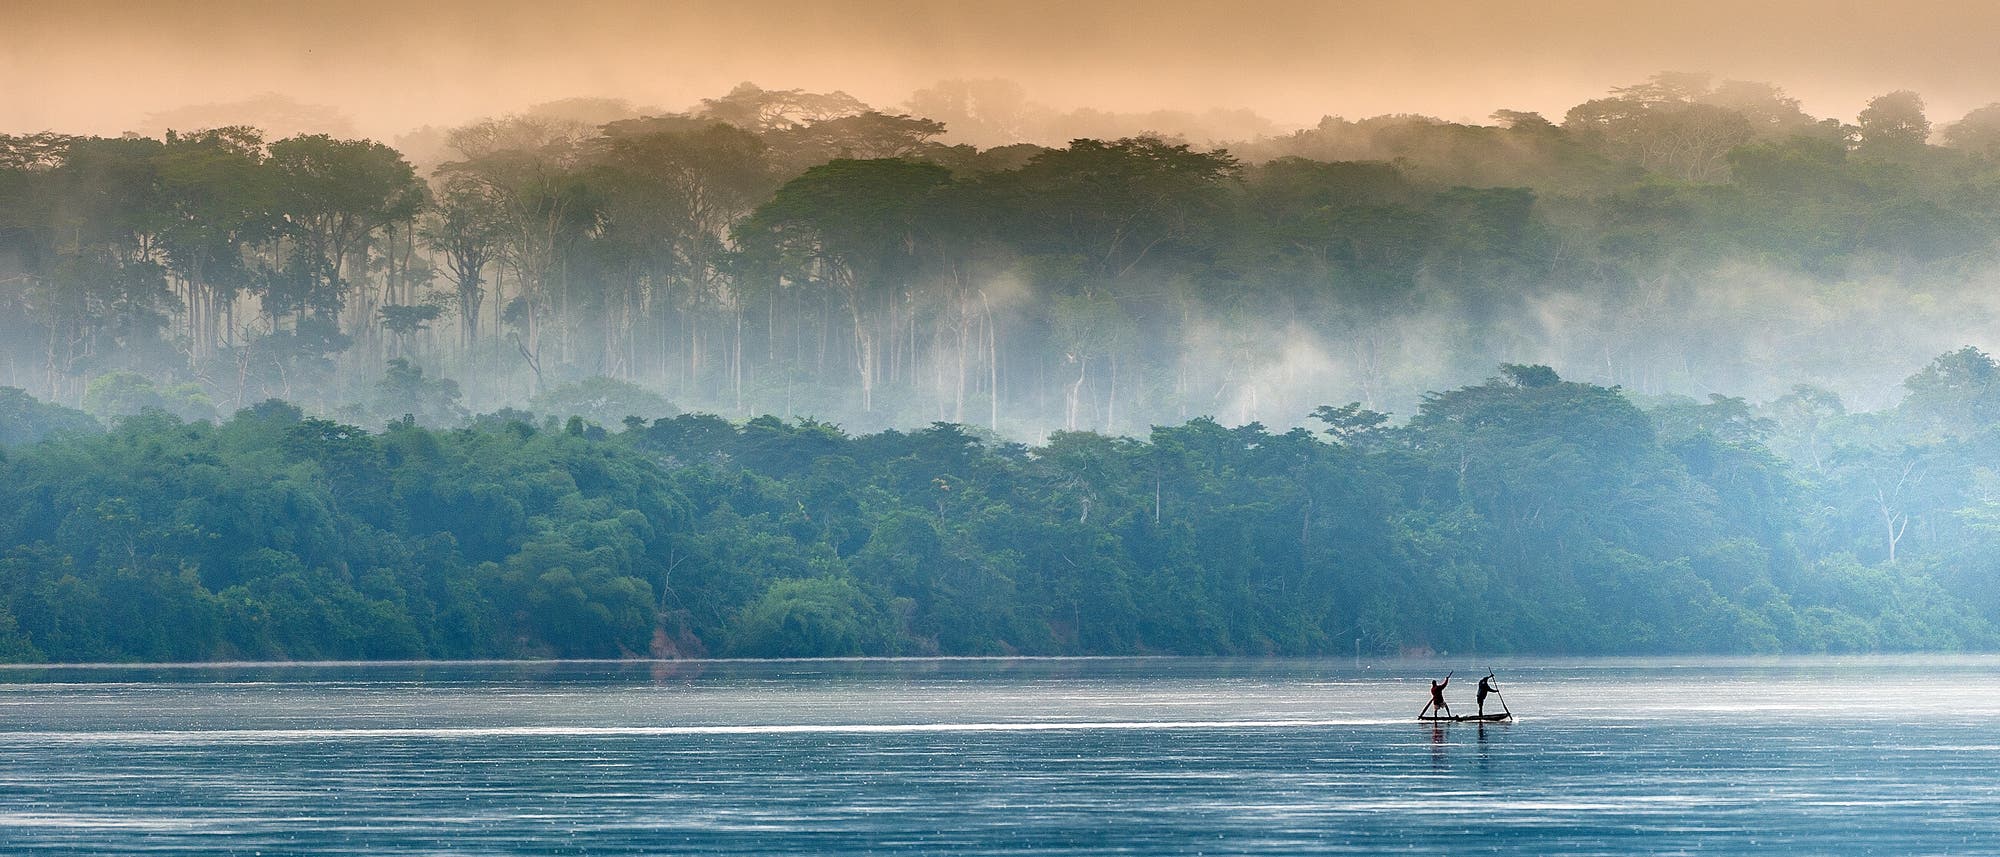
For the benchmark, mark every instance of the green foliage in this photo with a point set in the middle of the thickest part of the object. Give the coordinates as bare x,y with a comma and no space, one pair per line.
795,252
602,401
404,390
24,420
1957,394
800,253
276,536
1894,123
1529,513
825,617
115,395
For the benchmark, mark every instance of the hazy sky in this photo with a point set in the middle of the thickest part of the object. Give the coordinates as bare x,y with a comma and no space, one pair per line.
99,66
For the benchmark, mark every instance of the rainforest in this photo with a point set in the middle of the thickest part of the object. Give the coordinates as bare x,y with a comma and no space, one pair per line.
1684,368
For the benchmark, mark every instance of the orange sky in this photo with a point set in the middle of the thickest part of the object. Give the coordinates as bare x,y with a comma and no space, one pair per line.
100,66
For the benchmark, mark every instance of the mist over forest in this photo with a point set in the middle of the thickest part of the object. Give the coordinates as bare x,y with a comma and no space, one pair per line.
805,254
784,372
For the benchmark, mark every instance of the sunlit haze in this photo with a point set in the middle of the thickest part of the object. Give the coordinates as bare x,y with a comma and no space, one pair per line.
103,67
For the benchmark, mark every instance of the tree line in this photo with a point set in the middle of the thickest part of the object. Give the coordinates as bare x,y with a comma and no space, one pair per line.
1527,513
805,254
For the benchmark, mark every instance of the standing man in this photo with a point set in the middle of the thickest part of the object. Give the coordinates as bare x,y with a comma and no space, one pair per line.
1437,698
1486,686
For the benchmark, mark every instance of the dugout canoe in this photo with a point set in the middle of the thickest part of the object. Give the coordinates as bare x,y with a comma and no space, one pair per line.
1498,717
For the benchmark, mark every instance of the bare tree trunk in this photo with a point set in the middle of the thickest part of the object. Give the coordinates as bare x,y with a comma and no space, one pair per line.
864,362
1070,399
1111,399
964,344
992,366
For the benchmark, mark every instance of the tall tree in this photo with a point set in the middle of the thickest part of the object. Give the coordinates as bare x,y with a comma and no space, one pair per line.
1894,123
853,227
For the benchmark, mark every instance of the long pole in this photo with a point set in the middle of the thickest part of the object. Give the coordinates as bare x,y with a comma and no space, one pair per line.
1497,693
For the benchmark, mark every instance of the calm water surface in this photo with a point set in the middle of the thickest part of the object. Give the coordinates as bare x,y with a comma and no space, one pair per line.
1806,756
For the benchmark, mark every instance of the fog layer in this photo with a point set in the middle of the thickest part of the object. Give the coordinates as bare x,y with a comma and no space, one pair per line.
802,253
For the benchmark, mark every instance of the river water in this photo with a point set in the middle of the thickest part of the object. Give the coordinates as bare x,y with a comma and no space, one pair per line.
1113,756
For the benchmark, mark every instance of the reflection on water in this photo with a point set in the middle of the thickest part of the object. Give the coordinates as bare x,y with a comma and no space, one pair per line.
998,757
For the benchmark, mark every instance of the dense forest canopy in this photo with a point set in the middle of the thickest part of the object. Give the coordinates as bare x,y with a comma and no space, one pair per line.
1527,513
785,374
806,254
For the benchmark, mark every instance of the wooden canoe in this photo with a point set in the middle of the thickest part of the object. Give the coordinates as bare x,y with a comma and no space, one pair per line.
1498,717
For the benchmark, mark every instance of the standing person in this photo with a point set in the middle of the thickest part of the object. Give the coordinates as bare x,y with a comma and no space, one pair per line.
1486,686
1437,697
